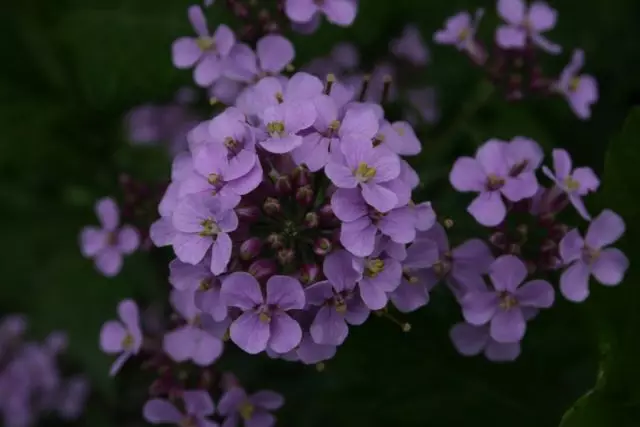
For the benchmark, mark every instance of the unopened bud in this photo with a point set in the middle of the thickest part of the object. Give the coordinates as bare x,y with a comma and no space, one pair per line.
271,206
548,245
301,176
249,213
558,231
322,246
286,256
311,220
304,195
498,239
283,185
250,248
275,240
327,217
448,223
514,249
309,273
262,269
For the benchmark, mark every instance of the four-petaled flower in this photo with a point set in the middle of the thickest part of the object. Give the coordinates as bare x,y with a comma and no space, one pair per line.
580,90
124,336
526,24
198,406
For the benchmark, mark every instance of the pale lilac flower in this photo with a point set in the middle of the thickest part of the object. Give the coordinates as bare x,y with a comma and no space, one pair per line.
207,52
502,305
576,183
581,91
368,168
192,341
283,122
410,46
379,274
203,222
235,405
490,174
106,245
273,53
413,291
199,279
592,256
309,352
229,130
198,407
399,137
339,12
338,301
460,31
264,321
298,91
123,337
471,340
525,24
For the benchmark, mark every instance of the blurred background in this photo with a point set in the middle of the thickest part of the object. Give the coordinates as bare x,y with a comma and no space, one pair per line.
72,70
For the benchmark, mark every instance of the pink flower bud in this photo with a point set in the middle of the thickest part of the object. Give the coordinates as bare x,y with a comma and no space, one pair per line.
262,269
322,246
271,206
311,220
304,195
286,256
275,240
250,248
283,185
309,273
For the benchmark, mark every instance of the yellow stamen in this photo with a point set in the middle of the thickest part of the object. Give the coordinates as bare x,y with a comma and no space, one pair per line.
507,301
364,172
279,97
574,83
374,267
246,410
128,342
205,43
275,128
209,228
213,178
571,184
230,142
264,317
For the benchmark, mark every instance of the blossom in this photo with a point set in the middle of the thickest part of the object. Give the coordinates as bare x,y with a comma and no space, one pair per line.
123,337
580,90
410,46
413,291
471,340
299,92
502,305
106,245
592,256
273,53
207,51
367,167
264,321
339,303
339,12
379,274
282,124
192,341
574,182
490,173
460,31
525,24
202,223
206,286
198,406
253,410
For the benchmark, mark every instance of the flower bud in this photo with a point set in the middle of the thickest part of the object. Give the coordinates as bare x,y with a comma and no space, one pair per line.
275,240
322,246
262,269
271,206
304,195
248,214
301,176
498,239
283,185
286,256
250,248
311,220
327,217
309,273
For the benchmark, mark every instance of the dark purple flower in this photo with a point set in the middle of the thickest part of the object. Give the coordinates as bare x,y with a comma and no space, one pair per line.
203,222
198,406
236,405
471,340
123,337
574,182
526,24
207,52
580,90
592,255
339,303
273,53
106,245
339,12
502,305
264,321
413,291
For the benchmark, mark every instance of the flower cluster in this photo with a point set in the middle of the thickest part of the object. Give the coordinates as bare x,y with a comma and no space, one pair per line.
31,384
513,63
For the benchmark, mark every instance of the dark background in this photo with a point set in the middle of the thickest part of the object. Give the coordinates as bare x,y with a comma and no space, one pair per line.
70,70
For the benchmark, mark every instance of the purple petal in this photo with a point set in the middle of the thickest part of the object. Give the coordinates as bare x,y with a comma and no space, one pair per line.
207,350
468,339
275,53
314,152
208,70
348,205
379,197
587,179
303,87
128,239
358,236
286,293
512,11
225,39
605,229
467,175
198,402
340,12
162,232
311,353
220,253
509,37
300,10
250,333
360,122
241,65
318,293
180,344
241,290
198,20
571,246
508,326
522,187
109,262
92,241
541,16
111,336
536,293
409,297
479,307
373,296
329,327
191,248
338,268
561,163
488,209
285,332
502,352
492,156
261,419
399,225
108,213
230,401
507,272
268,400
185,52
157,411
283,144
610,267
574,282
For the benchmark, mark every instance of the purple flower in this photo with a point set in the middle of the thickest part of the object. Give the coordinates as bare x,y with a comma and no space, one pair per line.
379,274
580,90
264,321
273,53
298,91
339,12
490,174
368,168
337,300
124,336
203,222
526,24
106,245
253,410
207,52
410,46
592,255
460,31
198,406
199,279
192,341
471,340
502,306
283,122
400,138
575,183
413,291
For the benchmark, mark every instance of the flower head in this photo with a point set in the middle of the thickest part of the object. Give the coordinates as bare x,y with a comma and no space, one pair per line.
580,90
198,407
254,410
471,340
339,12
526,24
123,336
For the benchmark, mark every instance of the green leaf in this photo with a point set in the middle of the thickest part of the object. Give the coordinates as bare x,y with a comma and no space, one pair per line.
616,395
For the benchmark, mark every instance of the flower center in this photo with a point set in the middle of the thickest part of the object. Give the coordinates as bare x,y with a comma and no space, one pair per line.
574,83
339,303
205,43
264,317
213,178
209,228
374,267
279,97
275,128
127,342
112,238
590,255
571,184
507,301
230,143
246,411
205,285
464,34
494,182
188,421
410,278
334,126
364,172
